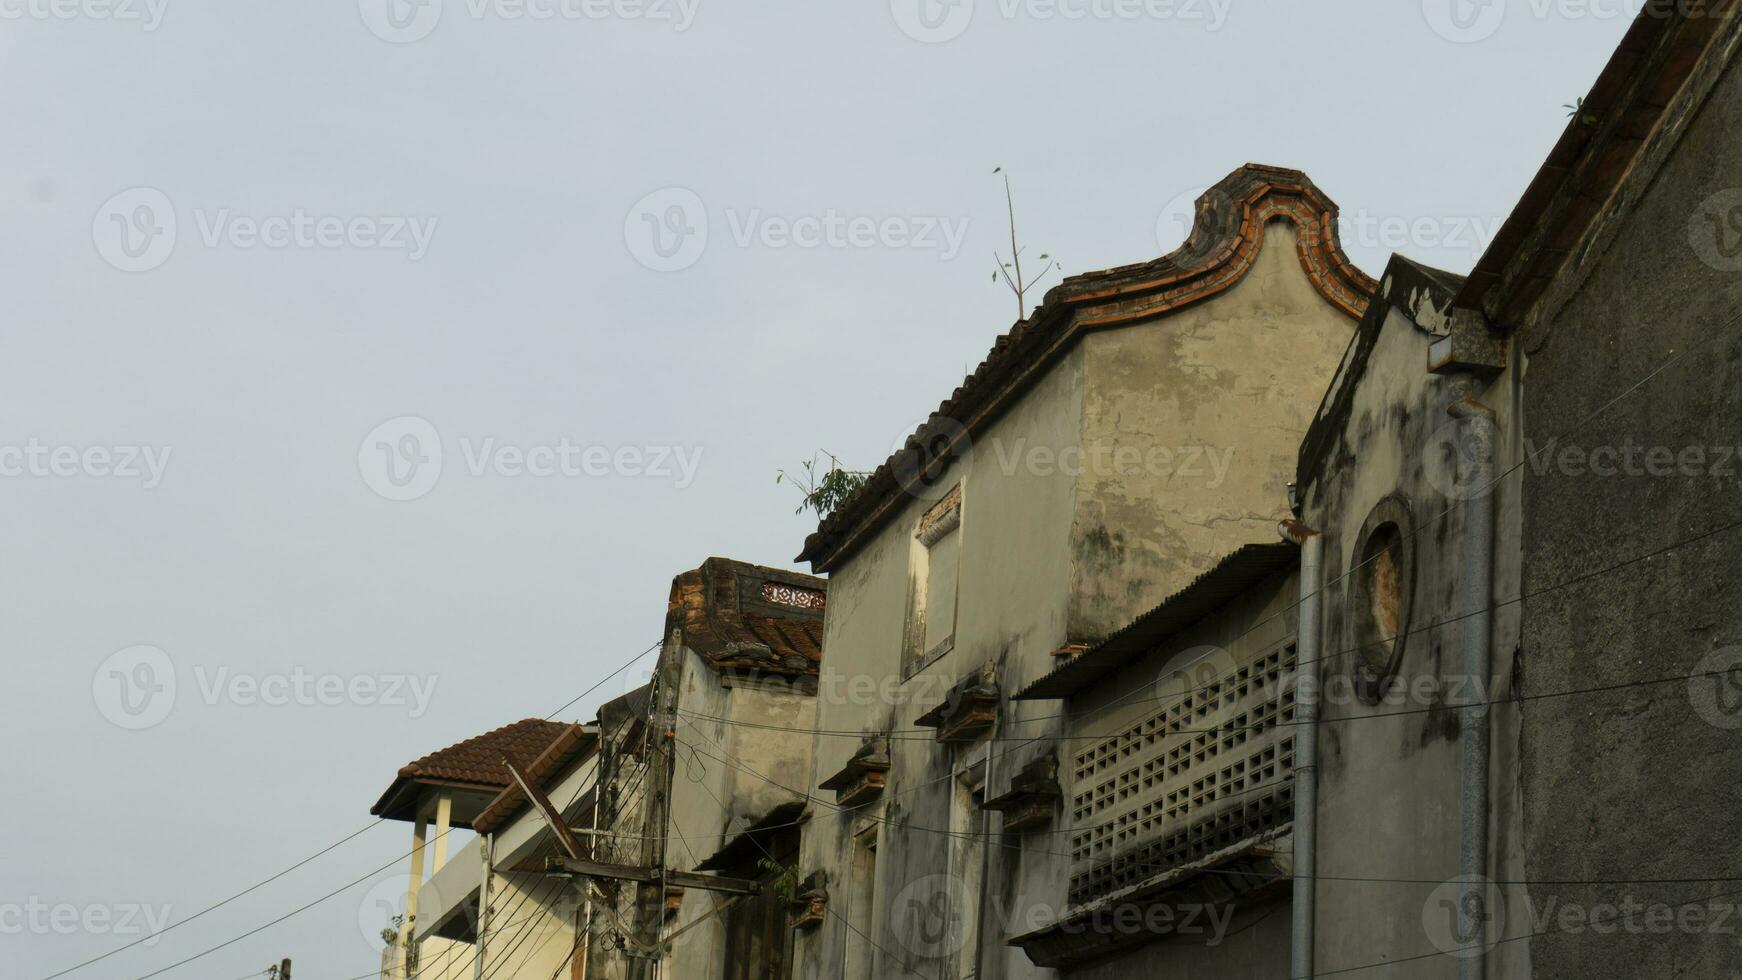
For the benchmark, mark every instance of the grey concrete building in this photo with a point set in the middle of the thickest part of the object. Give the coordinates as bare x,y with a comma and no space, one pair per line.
1117,444
741,655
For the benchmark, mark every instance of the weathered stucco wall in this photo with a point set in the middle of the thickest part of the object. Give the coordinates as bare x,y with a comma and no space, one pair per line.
1388,772
1011,608
1191,425
1639,782
1052,545
730,774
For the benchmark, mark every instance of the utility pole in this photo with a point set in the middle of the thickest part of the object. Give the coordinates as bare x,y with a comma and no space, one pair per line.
281,971
488,847
650,895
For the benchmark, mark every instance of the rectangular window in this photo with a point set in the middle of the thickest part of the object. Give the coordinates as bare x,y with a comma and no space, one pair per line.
937,560
861,918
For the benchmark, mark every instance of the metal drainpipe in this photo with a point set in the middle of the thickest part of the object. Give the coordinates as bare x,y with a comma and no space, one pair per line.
1478,588
1306,746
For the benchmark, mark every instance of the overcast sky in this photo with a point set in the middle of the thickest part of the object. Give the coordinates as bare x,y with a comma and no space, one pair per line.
367,373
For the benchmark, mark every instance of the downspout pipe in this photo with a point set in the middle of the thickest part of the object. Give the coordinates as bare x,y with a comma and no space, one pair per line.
1477,422
1306,745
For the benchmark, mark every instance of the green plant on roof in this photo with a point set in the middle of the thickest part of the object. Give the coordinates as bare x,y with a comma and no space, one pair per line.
823,488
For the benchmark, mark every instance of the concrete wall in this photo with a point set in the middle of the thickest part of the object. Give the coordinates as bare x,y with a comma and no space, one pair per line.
1639,782
1251,939
1191,425
1388,772
1049,550
751,763
1011,603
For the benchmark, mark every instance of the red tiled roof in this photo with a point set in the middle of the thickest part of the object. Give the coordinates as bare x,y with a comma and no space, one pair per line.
750,617
477,761
1226,236
574,743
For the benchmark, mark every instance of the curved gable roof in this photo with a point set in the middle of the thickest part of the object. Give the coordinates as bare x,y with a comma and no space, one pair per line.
1227,234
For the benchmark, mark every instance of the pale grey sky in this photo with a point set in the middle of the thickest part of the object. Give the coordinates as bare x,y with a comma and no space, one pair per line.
461,200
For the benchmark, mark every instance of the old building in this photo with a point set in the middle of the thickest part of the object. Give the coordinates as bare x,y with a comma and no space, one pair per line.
531,918
1617,282
736,678
1118,443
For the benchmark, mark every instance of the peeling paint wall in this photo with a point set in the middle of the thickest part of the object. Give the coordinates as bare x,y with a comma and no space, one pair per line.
1010,608
730,774
1053,543
1190,428
1388,772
